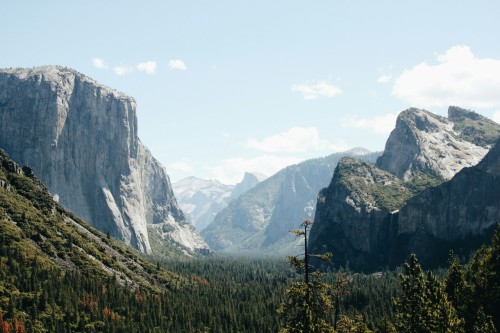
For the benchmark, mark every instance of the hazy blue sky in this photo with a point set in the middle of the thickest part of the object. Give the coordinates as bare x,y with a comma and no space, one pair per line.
224,87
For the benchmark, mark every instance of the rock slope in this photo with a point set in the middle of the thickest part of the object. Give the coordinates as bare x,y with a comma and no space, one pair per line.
425,143
80,137
37,228
372,218
258,222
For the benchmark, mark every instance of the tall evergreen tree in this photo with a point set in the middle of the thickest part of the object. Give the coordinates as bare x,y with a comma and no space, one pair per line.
441,316
455,285
411,306
307,305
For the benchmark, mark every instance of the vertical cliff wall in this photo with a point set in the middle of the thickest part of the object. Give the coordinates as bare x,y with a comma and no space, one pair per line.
80,137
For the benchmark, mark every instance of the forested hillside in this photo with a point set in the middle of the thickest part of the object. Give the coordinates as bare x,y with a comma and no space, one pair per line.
58,274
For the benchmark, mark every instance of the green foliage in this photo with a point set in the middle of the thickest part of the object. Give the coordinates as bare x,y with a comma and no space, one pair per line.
58,274
475,128
307,303
422,182
441,316
389,197
411,306
466,301
482,290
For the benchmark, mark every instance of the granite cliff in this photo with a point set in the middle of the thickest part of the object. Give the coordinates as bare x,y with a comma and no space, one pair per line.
80,137
426,194
423,143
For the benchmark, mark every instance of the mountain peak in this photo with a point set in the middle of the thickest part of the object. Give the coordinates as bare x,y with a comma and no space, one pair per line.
62,76
425,143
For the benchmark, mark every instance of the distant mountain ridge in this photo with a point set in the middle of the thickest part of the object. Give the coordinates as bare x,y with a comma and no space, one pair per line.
202,199
258,222
80,137
426,194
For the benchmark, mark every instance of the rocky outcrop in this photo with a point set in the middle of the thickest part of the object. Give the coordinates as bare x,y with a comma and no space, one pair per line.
473,127
423,143
80,137
372,219
258,222
354,215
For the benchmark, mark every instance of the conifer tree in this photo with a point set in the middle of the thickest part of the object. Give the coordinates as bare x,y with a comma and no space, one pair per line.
411,306
339,289
455,286
307,305
441,316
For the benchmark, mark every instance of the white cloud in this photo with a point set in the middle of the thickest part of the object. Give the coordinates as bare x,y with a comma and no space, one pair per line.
378,124
177,64
295,140
316,90
180,166
459,78
148,67
496,117
121,70
99,63
231,171
384,78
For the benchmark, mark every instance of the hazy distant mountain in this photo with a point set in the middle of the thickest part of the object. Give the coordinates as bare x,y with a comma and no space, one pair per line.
258,222
80,137
202,199
250,179
372,219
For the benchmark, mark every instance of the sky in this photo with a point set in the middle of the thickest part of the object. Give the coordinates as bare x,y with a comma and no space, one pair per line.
224,87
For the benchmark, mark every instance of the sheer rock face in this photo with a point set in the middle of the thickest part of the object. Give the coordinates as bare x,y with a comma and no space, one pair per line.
372,219
352,220
458,214
80,137
425,143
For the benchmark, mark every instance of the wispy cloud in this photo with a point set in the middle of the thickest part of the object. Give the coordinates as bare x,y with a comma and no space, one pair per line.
99,63
379,124
177,64
294,140
148,67
384,78
316,90
122,70
458,78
